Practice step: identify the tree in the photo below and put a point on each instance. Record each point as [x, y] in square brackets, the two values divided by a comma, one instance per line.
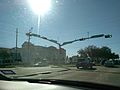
[82, 53]
[4, 54]
[114, 56]
[97, 54]
[105, 52]
[91, 51]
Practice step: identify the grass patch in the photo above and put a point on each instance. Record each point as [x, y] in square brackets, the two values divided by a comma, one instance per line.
[87, 69]
[9, 66]
[70, 65]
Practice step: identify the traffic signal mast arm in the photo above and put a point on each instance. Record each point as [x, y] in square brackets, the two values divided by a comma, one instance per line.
[82, 39]
[69, 42]
[45, 38]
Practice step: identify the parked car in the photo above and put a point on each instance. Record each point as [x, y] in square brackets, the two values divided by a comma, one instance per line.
[40, 64]
[116, 62]
[109, 63]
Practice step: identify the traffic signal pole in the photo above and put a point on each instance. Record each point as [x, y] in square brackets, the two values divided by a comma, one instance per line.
[16, 45]
[29, 43]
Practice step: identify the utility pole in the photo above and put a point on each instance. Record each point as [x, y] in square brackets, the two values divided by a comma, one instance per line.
[29, 38]
[88, 34]
[59, 56]
[29, 46]
[29, 43]
[28, 34]
[16, 43]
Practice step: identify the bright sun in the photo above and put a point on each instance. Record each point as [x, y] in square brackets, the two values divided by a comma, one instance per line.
[40, 6]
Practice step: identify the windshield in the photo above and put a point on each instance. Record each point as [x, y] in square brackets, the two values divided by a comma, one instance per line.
[61, 39]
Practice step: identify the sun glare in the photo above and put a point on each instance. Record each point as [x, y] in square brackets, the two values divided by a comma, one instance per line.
[40, 6]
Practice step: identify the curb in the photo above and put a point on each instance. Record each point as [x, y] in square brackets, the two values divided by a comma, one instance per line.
[47, 72]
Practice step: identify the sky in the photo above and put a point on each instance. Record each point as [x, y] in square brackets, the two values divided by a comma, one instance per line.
[65, 21]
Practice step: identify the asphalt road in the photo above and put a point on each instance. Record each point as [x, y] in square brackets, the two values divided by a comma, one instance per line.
[99, 74]
[32, 71]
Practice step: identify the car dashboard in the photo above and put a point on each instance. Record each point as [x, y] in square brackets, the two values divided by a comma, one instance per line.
[50, 84]
[21, 85]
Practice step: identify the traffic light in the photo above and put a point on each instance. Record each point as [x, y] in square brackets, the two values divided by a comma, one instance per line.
[67, 43]
[36, 35]
[108, 36]
[43, 37]
[53, 41]
[82, 39]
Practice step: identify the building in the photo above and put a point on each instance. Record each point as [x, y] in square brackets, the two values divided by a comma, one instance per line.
[16, 55]
[31, 54]
[73, 59]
